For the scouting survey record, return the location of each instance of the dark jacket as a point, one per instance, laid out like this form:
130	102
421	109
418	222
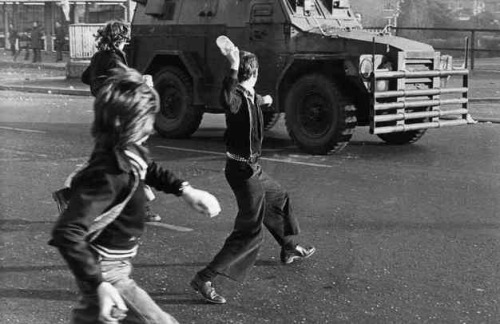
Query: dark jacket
100	68
244	120
60	36
13	36
36	37
106	181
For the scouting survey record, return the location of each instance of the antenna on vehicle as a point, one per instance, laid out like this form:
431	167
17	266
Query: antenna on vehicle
466	54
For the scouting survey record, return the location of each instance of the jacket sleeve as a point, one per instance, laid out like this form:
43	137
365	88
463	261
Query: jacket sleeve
162	179
92	194
229	100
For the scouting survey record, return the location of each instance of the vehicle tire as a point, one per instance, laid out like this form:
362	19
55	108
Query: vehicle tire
178	117
270	119
402	138
319	119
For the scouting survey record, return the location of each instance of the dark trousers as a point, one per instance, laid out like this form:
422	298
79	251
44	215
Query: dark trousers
59	49
26	54
59	56
37	55
261	200
13	48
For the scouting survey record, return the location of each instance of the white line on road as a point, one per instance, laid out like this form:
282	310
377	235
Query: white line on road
22	130
262	158
170	227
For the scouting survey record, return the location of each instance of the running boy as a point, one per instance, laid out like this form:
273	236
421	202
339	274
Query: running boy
261	200
116	174
110	58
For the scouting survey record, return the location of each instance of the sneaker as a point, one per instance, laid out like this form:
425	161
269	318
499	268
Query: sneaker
151	216
297	253
206	289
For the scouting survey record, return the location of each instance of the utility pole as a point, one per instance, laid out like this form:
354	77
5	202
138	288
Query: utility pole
397	12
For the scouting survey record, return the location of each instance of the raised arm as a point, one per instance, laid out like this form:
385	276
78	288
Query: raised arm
228	98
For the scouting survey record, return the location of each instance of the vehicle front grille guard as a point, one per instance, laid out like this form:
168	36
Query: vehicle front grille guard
414	99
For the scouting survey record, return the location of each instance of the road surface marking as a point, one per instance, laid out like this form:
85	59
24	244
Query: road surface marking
23	152
261	158
23	130
170	227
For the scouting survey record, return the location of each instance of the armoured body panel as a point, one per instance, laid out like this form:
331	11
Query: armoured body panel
293	39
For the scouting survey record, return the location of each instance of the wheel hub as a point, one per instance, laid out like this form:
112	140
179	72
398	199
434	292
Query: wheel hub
171	103
315	116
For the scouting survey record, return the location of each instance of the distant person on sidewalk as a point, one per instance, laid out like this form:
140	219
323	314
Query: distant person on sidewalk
262	202
111	39
24	44
60	41
14	41
36	42
98	232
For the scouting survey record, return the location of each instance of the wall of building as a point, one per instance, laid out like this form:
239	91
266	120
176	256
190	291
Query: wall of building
23	13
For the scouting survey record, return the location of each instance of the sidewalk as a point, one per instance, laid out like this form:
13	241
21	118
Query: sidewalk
45	77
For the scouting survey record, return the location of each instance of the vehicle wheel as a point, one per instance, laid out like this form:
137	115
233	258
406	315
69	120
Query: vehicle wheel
178	117
319	118
402	138
270	119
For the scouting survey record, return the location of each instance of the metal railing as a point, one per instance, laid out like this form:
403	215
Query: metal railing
472	34
82	40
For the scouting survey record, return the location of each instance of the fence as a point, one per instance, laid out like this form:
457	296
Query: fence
476	44
82	40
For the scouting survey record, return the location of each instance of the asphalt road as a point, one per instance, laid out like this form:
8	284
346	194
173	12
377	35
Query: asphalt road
405	234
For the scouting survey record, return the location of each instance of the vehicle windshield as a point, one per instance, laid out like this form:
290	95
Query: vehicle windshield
327	9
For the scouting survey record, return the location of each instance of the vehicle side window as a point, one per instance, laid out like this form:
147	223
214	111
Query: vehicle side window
262	13
161	9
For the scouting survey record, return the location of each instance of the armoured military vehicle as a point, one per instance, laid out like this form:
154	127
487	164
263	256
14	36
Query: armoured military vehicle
325	72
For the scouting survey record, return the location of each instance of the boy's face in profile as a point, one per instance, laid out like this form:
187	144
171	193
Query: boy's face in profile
252	81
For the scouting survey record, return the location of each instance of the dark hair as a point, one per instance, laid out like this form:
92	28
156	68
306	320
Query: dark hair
122	107
249	66
111	35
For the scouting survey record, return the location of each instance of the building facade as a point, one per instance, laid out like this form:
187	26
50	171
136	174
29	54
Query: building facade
466	9
22	14
377	13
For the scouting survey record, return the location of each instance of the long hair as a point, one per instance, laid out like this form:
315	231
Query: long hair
111	35
122	108
249	66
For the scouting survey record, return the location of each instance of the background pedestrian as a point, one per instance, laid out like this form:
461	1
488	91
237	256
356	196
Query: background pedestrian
25	43
36	42
14	41
60	41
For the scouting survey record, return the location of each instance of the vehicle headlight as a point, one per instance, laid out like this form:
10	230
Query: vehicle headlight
366	68
382	85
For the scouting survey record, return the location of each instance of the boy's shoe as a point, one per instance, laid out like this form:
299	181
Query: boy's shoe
151	216
297	253
206	289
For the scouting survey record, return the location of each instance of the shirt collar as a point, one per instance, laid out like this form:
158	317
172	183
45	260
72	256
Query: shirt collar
247	91
132	155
